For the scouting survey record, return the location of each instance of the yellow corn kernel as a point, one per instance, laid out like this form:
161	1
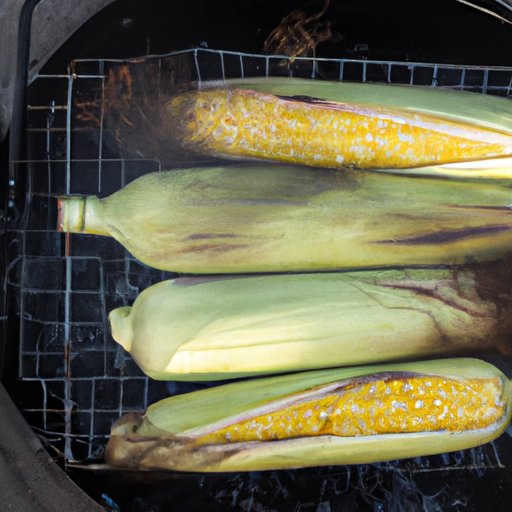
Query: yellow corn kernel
386	406
246	123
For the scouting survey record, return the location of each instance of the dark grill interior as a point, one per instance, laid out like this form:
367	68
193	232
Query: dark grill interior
75	380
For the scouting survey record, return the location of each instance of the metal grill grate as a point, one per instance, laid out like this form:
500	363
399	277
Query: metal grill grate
66	284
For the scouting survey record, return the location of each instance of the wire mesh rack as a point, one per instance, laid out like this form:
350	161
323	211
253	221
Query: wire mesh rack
66	284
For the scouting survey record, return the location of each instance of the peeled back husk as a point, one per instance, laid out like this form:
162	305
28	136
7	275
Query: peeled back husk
336	124
257	218
207	329
328	417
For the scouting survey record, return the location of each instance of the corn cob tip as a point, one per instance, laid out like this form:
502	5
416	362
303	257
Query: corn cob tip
71	212
119	326
81	214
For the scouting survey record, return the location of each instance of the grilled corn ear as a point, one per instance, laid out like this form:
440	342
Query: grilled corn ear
257	218
339	416
335	125
206	329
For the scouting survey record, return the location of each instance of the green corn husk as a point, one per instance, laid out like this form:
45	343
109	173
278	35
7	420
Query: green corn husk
256	218
335	125
171	433
207	329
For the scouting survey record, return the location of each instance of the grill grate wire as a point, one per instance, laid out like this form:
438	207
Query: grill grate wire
66	284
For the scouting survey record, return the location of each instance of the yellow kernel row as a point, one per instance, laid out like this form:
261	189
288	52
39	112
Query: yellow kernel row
389	405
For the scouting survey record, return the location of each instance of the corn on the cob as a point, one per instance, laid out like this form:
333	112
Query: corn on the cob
205	329
325	125
257	218
346	416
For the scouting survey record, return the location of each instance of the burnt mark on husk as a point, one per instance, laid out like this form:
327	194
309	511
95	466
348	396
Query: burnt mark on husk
447	236
301	98
216	248
208	236
484	207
